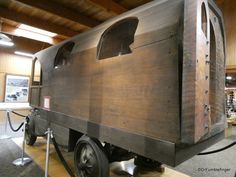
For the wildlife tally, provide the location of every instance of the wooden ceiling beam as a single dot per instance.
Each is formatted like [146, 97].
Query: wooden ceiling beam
[231, 69]
[220, 2]
[62, 11]
[36, 22]
[110, 5]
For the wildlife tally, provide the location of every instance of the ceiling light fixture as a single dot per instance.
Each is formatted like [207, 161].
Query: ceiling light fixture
[33, 35]
[6, 43]
[36, 30]
[229, 77]
[5, 40]
[24, 54]
[230, 88]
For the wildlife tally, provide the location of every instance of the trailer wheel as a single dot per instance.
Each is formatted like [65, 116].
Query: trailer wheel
[90, 159]
[30, 136]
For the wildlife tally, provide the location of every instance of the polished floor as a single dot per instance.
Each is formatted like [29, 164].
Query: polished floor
[124, 169]
[222, 164]
[9, 153]
[218, 165]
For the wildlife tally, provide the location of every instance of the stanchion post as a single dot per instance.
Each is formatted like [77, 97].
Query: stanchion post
[49, 134]
[23, 160]
[4, 135]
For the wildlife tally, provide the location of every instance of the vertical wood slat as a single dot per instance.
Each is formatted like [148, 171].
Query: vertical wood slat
[202, 115]
[217, 97]
[189, 72]
[196, 115]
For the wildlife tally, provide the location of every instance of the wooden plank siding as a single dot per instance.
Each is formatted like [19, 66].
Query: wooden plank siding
[159, 90]
[126, 91]
[196, 108]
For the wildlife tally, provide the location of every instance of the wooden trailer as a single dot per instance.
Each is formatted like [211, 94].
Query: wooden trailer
[148, 83]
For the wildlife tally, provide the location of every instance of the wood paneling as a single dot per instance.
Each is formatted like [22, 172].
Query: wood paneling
[62, 11]
[36, 22]
[137, 92]
[12, 64]
[143, 87]
[141, 92]
[127, 90]
[2, 86]
[228, 8]
[196, 118]
[110, 5]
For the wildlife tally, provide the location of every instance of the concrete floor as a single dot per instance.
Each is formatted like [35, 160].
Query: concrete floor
[222, 164]
[123, 169]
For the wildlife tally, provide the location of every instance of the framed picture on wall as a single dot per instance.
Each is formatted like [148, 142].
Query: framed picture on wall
[17, 88]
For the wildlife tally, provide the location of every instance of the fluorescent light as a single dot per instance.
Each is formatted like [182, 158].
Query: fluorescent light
[6, 43]
[24, 54]
[230, 88]
[33, 35]
[37, 30]
[229, 78]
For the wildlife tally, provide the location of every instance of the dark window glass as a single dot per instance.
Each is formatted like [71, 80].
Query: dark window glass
[204, 19]
[117, 38]
[63, 55]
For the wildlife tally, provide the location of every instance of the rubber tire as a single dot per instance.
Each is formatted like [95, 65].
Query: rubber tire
[101, 157]
[30, 137]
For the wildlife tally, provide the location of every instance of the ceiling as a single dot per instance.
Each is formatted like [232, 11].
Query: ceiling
[64, 17]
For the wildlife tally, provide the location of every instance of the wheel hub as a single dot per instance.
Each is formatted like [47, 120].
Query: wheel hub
[87, 162]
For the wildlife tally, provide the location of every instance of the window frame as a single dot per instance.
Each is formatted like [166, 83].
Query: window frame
[107, 34]
[204, 19]
[58, 60]
[33, 82]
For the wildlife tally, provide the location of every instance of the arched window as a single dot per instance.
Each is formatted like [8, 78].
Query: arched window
[36, 73]
[63, 54]
[117, 38]
[204, 19]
